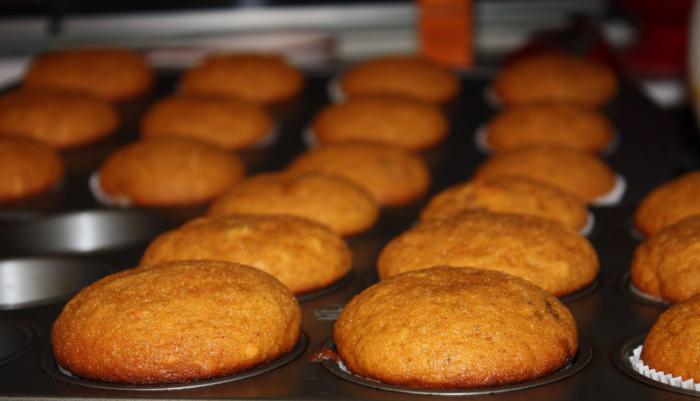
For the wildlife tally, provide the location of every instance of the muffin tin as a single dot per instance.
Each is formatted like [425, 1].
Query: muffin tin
[70, 226]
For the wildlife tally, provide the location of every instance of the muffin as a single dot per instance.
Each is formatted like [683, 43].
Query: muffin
[571, 170]
[59, 118]
[401, 75]
[176, 322]
[225, 122]
[390, 174]
[338, 203]
[548, 254]
[302, 254]
[509, 194]
[672, 343]
[669, 203]
[112, 74]
[394, 120]
[168, 172]
[667, 264]
[456, 328]
[563, 123]
[261, 78]
[27, 168]
[549, 77]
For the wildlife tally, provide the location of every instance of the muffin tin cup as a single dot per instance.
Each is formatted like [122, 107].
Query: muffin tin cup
[26, 282]
[581, 359]
[102, 197]
[626, 286]
[334, 91]
[491, 97]
[15, 340]
[83, 232]
[625, 355]
[329, 289]
[54, 370]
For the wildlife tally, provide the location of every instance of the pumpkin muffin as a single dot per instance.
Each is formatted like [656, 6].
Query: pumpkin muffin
[302, 254]
[390, 174]
[555, 77]
[672, 344]
[27, 168]
[112, 74]
[225, 122]
[571, 170]
[509, 194]
[333, 201]
[394, 120]
[168, 172]
[667, 264]
[455, 328]
[261, 78]
[561, 123]
[176, 322]
[546, 253]
[669, 203]
[401, 75]
[59, 118]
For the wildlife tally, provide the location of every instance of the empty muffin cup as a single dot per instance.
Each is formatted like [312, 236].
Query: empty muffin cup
[26, 282]
[15, 339]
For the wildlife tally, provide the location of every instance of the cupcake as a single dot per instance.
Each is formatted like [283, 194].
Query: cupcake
[225, 122]
[393, 120]
[27, 168]
[176, 322]
[672, 343]
[667, 264]
[168, 172]
[669, 203]
[260, 78]
[548, 254]
[401, 75]
[390, 174]
[303, 255]
[448, 327]
[571, 170]
[555, 77]
[562, 123]
[334, 201]
[509, 194]
[109, 73]
[59, 118]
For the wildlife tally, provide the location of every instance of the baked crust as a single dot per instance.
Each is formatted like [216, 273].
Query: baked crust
[27, 168]
[668, 204]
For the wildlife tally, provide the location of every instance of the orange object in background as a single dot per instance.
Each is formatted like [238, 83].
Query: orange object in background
[445, 30]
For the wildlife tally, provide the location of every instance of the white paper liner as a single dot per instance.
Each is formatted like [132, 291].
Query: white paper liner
[643, 369]
[482, 144]
[345, 369]
[588, 227]
[335, 92]
[101, 196]
[614, 197]
[309, 137]
[636, 291]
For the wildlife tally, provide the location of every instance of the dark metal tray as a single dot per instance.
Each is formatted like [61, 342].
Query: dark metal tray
[646, 157]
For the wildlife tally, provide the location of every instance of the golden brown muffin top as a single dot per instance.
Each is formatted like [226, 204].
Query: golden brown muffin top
[672, 344]
[571, 170]
[455, 327]
[546, 253]
[169, 171]
[110, 73]
[261, 78]
[401, 75]
[222, 121]
[59, 118]
[665, 265]
[509, 194]
[669, 203]
[562, 123]
[548, 77]
[392, 175]
[27, 168]
[338, 203]
[302, 254]
[394, 120]
[176, 322]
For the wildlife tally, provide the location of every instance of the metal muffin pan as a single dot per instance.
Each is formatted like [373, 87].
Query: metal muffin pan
[15, 339]
[604, 314]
